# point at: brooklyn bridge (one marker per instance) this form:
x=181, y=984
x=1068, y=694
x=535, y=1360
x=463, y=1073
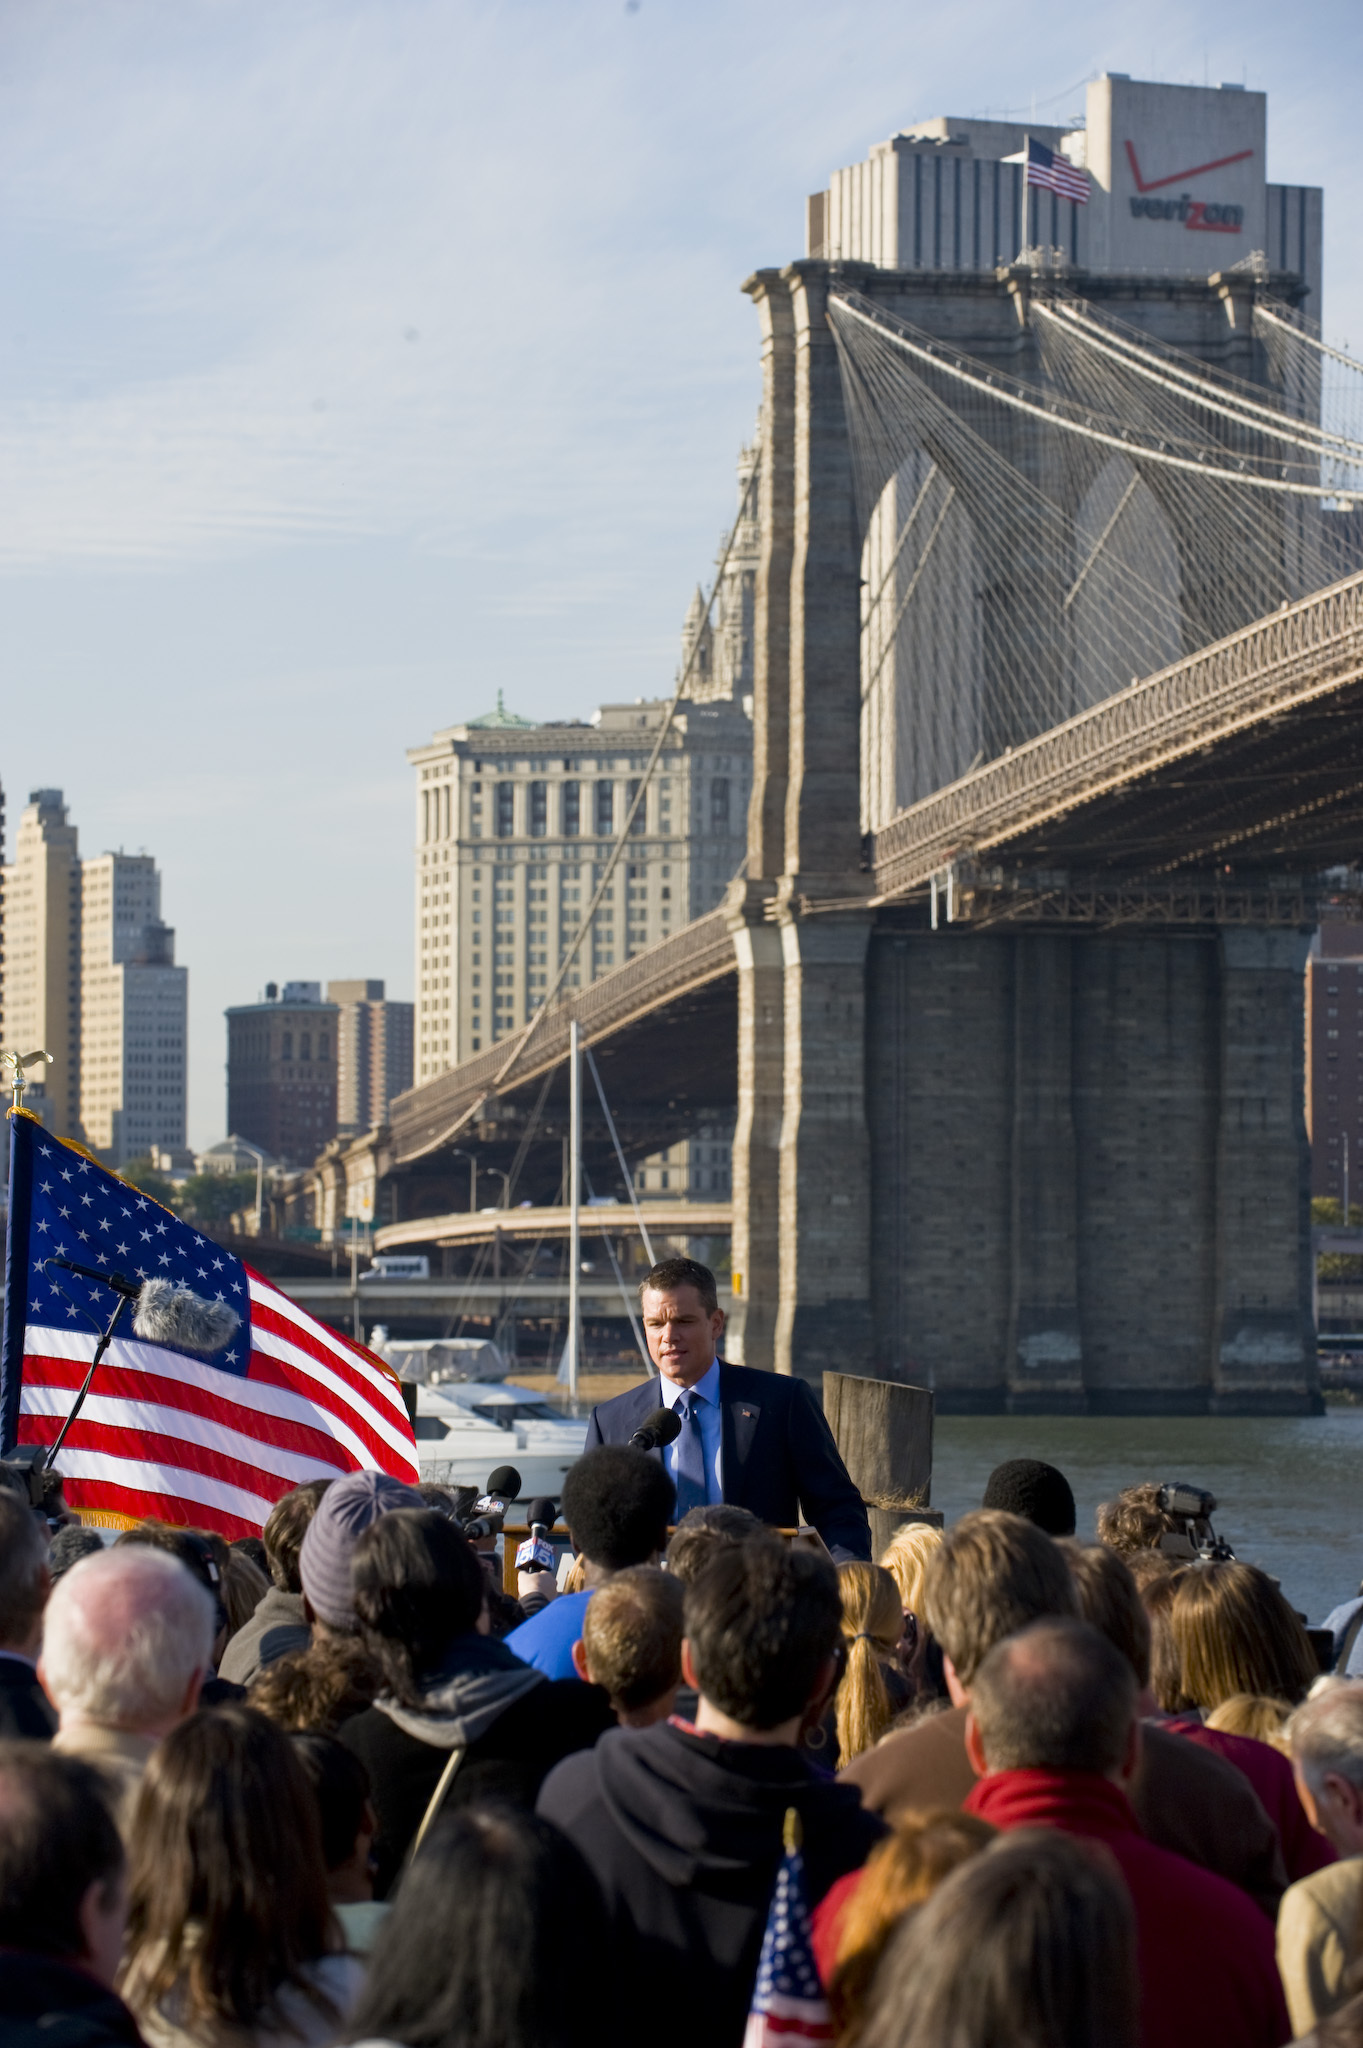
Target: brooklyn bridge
x=1058, y=743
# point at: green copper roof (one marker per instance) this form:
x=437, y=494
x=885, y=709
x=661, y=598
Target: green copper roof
x=501, y=720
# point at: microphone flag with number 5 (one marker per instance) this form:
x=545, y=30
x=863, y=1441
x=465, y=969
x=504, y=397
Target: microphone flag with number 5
x=206, y=1439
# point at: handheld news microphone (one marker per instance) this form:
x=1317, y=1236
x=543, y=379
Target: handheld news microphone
x=503, y=1486
x=657, y=1429
x=537, y=1554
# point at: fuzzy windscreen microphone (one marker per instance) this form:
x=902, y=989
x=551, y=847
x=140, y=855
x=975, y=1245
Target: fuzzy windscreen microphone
x=168, y=1313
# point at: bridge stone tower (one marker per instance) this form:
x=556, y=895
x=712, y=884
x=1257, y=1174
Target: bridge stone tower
x=1033, y=1169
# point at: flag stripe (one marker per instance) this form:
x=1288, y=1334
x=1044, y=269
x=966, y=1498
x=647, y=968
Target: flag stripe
x=185, y=1382
x=374, y=1443
x=345, y=1375
x=151, y=1442
x=131, y=1476
x=284, y=1449
x=333, y=1343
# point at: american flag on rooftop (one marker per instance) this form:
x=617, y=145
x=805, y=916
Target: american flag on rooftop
x=1054, y=172
x=202, y=1441
x=788, y=2004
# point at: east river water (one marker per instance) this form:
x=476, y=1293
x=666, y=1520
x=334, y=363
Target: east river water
x=1290, y=1490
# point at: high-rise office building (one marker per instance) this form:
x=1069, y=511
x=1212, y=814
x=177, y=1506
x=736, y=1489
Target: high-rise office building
x=41, y=987
x=281, y=1072
x=515, y=823
x=373, y=1053
x=134, y=1013
x=90, y=977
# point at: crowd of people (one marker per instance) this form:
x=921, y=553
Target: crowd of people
x=337, y=1786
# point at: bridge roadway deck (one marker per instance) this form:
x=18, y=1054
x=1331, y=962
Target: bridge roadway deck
x=1243, y=759
x=662, y=1219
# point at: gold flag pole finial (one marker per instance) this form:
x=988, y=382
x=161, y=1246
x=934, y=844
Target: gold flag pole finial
x=16, y=1062
x=792, y=1831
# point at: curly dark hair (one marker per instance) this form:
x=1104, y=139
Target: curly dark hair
x=618, y=1503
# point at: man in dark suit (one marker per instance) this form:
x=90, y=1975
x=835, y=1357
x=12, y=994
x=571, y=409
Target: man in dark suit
x=755, y=1439
x=24, y=1586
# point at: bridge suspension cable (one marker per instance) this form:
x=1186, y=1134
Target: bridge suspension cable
x=1220, y=398
x=1069, y=531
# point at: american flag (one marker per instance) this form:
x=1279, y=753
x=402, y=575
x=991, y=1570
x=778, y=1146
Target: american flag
x=209, y=1442
x=788, y=2003
x=1048, y=168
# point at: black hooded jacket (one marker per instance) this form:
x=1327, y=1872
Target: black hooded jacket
x=46, y=2002
x=683, y=1832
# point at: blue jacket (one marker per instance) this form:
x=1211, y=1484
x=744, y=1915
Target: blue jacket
x=780, y=1460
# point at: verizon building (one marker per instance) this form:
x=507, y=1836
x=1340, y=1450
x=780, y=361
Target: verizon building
x=1178, y=186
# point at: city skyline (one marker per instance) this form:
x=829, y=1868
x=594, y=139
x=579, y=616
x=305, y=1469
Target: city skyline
x=310, y=462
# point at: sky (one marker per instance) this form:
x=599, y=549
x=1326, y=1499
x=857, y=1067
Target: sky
x=361, y=358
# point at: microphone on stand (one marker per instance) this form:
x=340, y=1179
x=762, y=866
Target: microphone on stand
x=663, y=1426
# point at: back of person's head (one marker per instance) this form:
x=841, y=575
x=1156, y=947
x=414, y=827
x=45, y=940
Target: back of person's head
x=993, y=1574
x=901, y=1872
x=1135, y=1520
x=438, y=1497
x=285, y=1529
x=670, y=1274
x=1256, y=1715
x=24, y=1576
x=1236, y=1633
x=906, y=1557
x=418, y=1586
x=617, y=1503
x=704, y=1531
x=69, y=1545
x=497, y=1940
x=1031, y=1943
x=1055, y=1697
x=1158, y=1591
x=872, y=1622
x=197, y=1551
x=124, y=1635
x=347, y=1508
x=321, y=1686
x=228, y=1899
x=1326, y=1735
x=244, y=1586
x=340, y=1785
x=1110, y=1601
x=57, y=1839
x=632, y=1635
x=761, y=1622
x=1036, y=1491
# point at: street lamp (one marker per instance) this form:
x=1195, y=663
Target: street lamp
x=459, y=1153
x=505, y=1179
x=247, y=1146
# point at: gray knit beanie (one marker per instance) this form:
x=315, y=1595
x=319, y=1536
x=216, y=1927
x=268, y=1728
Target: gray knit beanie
x=343, y=1514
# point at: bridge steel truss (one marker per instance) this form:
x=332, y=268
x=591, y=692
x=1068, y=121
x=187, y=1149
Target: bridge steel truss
x=1305, y=652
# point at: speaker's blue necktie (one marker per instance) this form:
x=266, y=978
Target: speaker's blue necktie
x=692, y=1491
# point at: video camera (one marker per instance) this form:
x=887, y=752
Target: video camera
x=25, y=1471
x=1197, y=1542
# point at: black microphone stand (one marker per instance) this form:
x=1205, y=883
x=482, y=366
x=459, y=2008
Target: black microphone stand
x=79, y=1402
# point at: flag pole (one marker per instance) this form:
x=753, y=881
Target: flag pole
x=574, y=1199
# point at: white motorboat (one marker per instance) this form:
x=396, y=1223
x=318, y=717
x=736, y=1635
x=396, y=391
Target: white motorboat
x=465, y=1429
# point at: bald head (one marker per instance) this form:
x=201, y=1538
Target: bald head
x=1058, y=1697
x=125, y=1637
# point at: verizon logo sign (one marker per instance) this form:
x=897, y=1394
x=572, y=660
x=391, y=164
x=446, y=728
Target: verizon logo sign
x=1206, y=216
